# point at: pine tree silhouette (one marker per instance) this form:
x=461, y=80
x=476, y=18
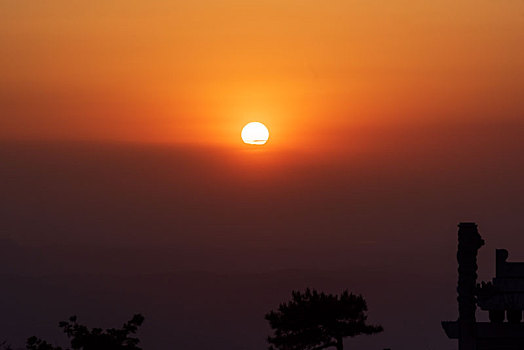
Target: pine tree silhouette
x=83, y=338
x=314, y=320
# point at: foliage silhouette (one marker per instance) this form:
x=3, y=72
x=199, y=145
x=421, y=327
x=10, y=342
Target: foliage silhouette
x=82, y=338
x=5, y=346
x=314, y=320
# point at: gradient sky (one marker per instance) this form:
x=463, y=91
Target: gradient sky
x=125, y=186
x=196, y=71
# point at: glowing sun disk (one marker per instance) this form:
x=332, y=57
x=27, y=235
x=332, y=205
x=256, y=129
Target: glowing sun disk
x=255, y=133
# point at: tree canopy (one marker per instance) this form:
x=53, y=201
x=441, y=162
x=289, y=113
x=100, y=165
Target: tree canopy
x=314, y=320
x=83, y=338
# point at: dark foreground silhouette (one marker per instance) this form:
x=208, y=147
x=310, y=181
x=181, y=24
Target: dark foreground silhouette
x=314, y=320
x=502, y=297
x=83, y=338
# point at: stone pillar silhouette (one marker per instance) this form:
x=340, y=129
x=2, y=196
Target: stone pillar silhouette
x=469, y=242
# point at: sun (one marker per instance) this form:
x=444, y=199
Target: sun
x=255, y=133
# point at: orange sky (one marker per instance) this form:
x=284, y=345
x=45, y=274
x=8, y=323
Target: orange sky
x=391, y=121
x=196, y=71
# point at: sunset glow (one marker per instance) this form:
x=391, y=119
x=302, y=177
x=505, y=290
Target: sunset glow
x=136, y=71
x=199, y=160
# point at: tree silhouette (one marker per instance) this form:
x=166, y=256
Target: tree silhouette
x=83, y=338
x=315, y=321
x=5, y=346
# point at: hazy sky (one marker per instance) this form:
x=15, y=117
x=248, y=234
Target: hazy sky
x=125, y=187
x=196, y=71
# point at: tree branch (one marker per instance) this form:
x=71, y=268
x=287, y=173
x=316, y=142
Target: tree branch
x=325, y=346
